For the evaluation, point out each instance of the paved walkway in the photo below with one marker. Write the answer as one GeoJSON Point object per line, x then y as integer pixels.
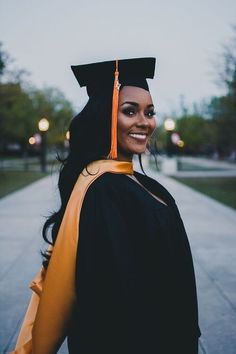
{"type": "Point", "coordinates": [211, 229]}
{"type": "Point", "coordinates": [205, 174]}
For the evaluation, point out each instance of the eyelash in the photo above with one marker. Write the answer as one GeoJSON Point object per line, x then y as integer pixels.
{"type": "Point", "coordinates": [127, 112]}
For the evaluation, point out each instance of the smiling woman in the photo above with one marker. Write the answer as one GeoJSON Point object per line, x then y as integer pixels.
{"type": "Point", "coordinates": [118, 276]}
{"type": "Point", "coordinates": [136, 121]}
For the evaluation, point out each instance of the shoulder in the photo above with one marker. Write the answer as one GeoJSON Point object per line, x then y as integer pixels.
{"type": "Point", "coordinates": [108, 179]}
{"type": "Point", "coordinates": [108, 182]}
{"type": "Point", "coordinates": [108, 186]}
{"type": "Point", "coordinates": [107, 198]}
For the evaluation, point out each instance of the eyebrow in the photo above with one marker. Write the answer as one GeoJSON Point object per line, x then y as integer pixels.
{"type": "Point", "coordinates": [135, 104]}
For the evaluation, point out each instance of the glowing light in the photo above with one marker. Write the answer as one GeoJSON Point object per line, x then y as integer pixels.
{"type": "Point", "coordinates": [38, 138]}
{"type": "Point", "coordinates": [43, 125]}
{"type": "Point", "coordinates": [169, 124]}
{"type": "Point", "coordinates": [180, 143]}
{"type": "Point", "coordinates": [32, 140]}
{"type": "Point", "coordinates": [175, 138]}
{"type": "Point", "coordinates": [68, 135]}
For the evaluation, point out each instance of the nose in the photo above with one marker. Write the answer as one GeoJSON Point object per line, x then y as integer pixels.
{"type": "Point", "coordinates": [142, 120]}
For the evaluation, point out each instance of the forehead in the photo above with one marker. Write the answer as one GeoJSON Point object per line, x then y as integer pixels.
{"type": "Point", "coordinates": [134, 94]}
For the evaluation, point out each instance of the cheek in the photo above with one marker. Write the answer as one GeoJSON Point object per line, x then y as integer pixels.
{"type": "Point", "coordinates": [123, 124]}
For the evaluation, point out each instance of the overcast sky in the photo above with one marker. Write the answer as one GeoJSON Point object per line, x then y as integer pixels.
{"type": "Point", "coordinates": [47, 36]}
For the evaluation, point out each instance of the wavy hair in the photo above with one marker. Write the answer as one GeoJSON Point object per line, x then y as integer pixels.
{"type": "Point", "coordinates": [90, 138]}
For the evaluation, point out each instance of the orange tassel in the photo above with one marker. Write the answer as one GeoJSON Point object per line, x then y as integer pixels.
{"type": "Point", "coordinates": [115, 101]}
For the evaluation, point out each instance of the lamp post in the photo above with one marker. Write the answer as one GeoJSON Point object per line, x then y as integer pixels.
{"type": "Point", "coordinates": [169, 125]}
{"type": "Point", "coordinates": [43, 125]}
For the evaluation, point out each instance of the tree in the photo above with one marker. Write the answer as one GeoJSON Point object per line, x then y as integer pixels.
{"type": "Point", "coordinates": [197, 133]}
{"type": "Point", "coordinates": [16, 112]}
{"type": "Point", "coordinates": [2, 61]}
{"type": "Point", "coordinates": [22, 106]}
{"type": "Point", "coordinates": [223, 112]}
{"type": "Point", "coordinates": [8, 73]}
{"type": "Point", "coordinates": [227, 64]}
{"type": "Point", "coordinates": [52, 104]}
{"type": "Point", "coordinates": [223, 109]}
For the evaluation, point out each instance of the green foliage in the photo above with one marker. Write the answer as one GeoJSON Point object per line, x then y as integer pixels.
{"type": "Point", "coordinates": [223, 109]}
{"type": "Point", "coordinates": [52, 104]}
{"type": "Point", "coordinates": [196, 132]}
{"type": "Point", "coordinates": [21, 108]}
{"type": "Point", "coordinates": [223, 113]}
{"type": "Point", "coordinates": [16, 114]}
{"type": "Point", "coordinates": [20, 111]}
{"type": "Point", "coordinates": [211, 127]}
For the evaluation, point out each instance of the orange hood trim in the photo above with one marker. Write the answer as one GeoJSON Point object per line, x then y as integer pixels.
{"type": "Point", "coordinates": [47, 318]}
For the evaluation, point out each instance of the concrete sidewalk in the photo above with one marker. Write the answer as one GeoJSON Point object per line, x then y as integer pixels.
{"type": "Point", "coordinates": [211, 230]}
{"type": "Point", "coordinates": [22, 215]}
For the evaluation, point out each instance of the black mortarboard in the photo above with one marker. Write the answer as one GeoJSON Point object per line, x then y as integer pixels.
{"type": "Point", "coordinates": [98, 76]}
{"type": "Point", "coordinates": [110, 75]}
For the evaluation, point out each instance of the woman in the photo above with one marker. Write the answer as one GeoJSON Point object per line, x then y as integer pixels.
{"type": "Point", "coordinates": [120, 278]}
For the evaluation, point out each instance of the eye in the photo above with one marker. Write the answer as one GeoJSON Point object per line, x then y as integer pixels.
{"type": "Point", "coordinates": [150, 113]}
{"type": "Point", "coordinates": [129, 111]}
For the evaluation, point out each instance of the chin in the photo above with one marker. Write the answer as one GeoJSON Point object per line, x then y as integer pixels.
{"type": "Point", "coordinates": [138, 151]}
{"type": "Point", "coordinates": [130, 149]}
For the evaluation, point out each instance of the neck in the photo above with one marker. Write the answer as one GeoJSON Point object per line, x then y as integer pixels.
{"type": "Point", "coordinates": [125, 157]}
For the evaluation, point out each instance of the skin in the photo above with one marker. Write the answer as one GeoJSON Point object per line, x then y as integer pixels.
{"type": "Point", "coordinates": [135, 116]}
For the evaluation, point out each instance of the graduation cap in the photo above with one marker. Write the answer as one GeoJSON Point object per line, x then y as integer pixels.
{"type": "Point", "coordinates": [110, 75]}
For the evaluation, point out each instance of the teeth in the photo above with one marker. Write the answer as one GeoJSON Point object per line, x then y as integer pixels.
{"type": "Point", "coordinates": [138, 136]}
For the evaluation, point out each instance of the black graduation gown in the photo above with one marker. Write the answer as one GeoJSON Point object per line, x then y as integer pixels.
{"type": "Point", "coordinates": [135, 282]}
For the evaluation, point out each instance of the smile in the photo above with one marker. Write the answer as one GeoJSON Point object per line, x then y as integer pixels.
{"type": "Point", "coordinates": [139, 136]}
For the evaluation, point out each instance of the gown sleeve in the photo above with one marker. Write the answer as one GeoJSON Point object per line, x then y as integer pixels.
{"type": "Point", "coordinates": [108, 276]}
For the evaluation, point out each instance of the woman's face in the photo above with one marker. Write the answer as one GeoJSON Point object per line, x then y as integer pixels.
{"type": "Point", "coordinates": [136, 121]}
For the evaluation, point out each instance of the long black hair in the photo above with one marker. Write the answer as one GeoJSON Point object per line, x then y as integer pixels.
{"type": "Point", "coordinates": [90, 135]}
{"type": "Point", "coordinates": [90, 138]}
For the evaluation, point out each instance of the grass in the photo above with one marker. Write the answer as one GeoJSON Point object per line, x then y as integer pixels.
{"type": "Point", "coordinates": [221, 189]}
{"type": "Point", "coordinates": [10, 181]}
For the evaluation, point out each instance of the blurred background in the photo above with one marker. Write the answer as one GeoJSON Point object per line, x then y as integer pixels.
{"type": "Point", "coordinates": [194, 93]}
{"type": "Point", "coordinates": [194, 90]}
